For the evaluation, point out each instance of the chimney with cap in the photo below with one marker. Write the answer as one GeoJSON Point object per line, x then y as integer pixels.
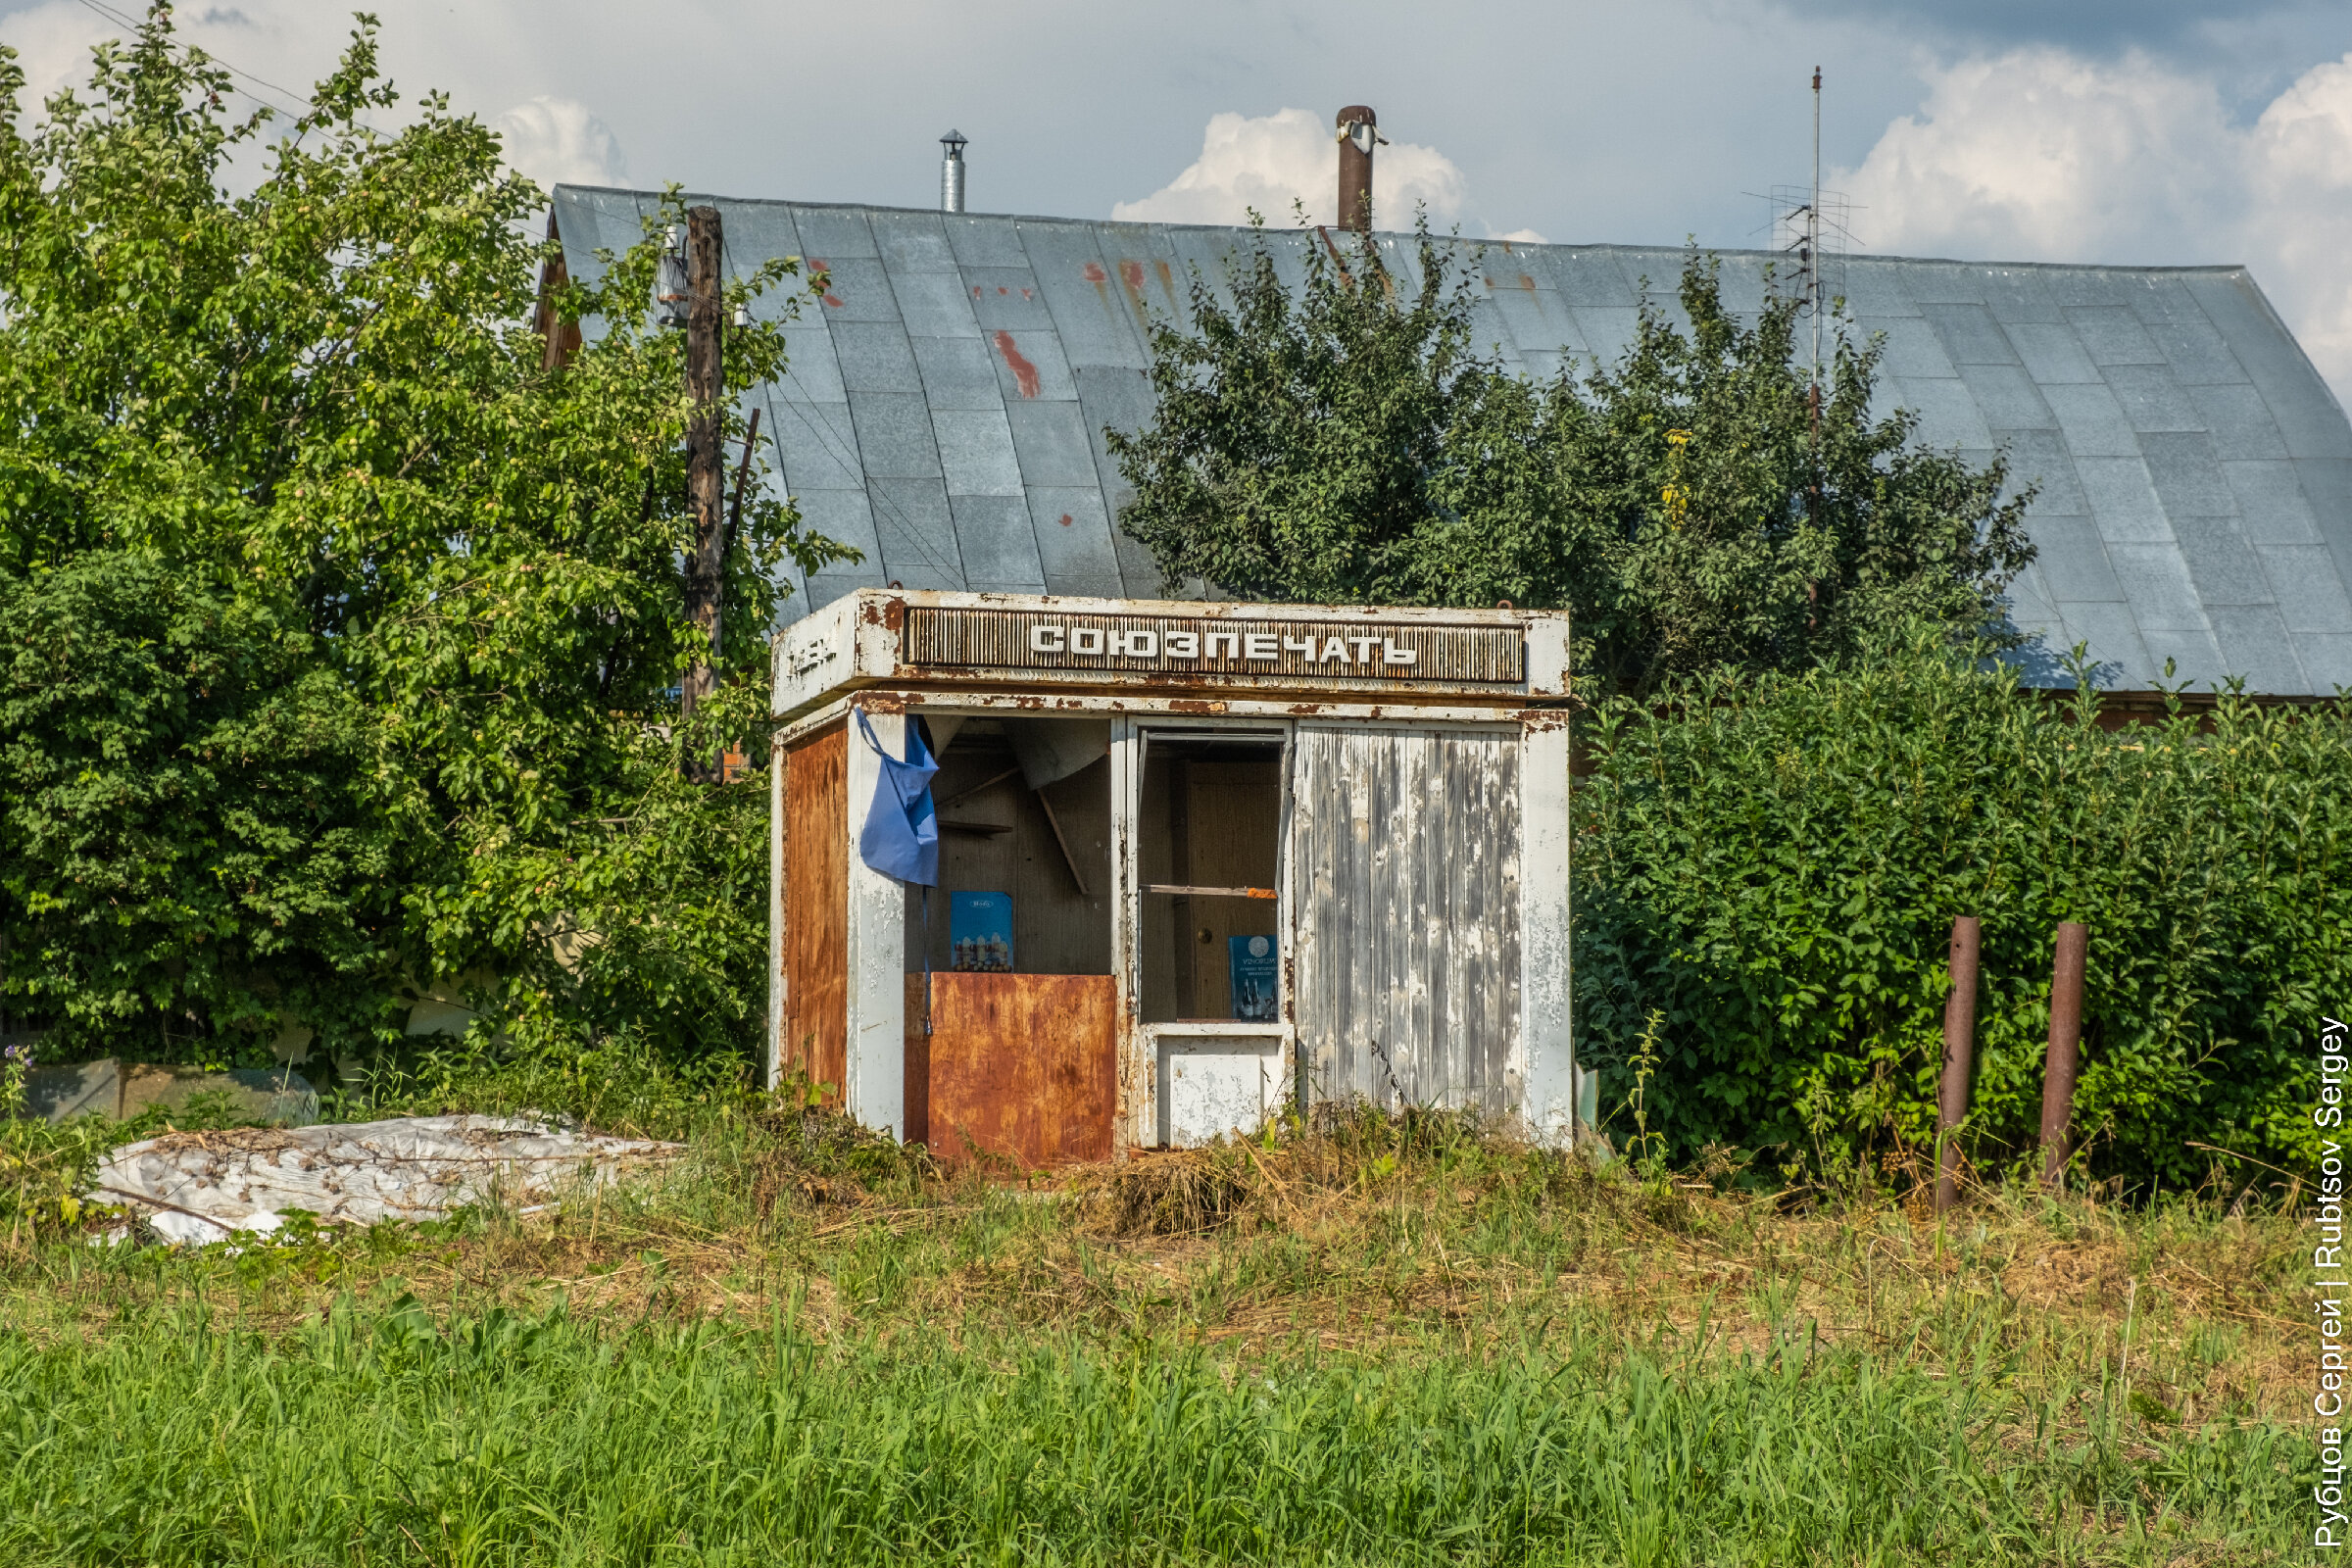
{"type": "Point", "coordinates": [950, 172]}
{"type": "Point", "coordinates": [1359, 133]}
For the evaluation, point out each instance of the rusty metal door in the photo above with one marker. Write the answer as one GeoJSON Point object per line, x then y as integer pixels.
{"type": "Point", "coordinates": [1020, 1067]}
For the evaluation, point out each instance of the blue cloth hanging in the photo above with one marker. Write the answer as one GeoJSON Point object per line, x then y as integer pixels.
{"type": "Point", "coordinates": [901, 837]}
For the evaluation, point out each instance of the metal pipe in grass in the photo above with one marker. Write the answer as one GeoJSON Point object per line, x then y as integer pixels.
{"type": "Point", "coordinates": [1959, 1045]}
{"type": "Point", "coordinates": [2065, 1058]}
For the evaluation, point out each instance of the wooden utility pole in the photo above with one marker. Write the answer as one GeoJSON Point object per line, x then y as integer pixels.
{"type": "Point", "coordinates": [706, 463]}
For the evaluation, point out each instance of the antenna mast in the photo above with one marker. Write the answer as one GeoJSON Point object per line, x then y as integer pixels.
{"type": "Point", "coordinates": [1813, 245]}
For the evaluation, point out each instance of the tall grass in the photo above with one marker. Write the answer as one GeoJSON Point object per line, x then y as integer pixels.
{"type": "Point", "coordinates": [1373, 1339]}
{"type": "Point", "coordinates": [378, 1436]}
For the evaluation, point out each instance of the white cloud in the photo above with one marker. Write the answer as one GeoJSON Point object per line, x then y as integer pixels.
{"type": "Point", "coordinates": [1267, 162]}
{"type": "Point", "coordinates": [556, 140]}
{"type": "Point", "coordinates": [2039, 155]}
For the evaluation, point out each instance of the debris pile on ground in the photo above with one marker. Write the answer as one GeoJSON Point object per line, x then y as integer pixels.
{"type": "Point", "coordinates": [196, 1188]}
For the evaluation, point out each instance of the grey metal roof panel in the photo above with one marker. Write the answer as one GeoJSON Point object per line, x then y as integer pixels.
{"type": "Point", "coordinates": [2112, 639]}
{"type": "Point", "coordinates": [875, 356]}
{"type": "Point", "coordinates": [913, 242]}
{"type": "Point", "coordinates": [2188, 482]}
{"type": "Point", "coordinates": [2092, 419]}
{"type": "Point", "coordinates": [2238, 419]}
{"type": "Point", "coordinates": [2271, 504]}
{"type": "Point", "coordinates": [975, 452]}
{"type": "Point", "coordinates": [894, 435]}
{"type": "Point", "coordinates": [957, 372]}
{"type": "Point", "coordinates": [1073, 540]}
{"type": "Point", "coordinates": [2123, 500]}
{"type": "Point", "coordinates": [2151, 400]}
{"type": "Point", "coordinates": [1050, 438]}
{"type": "Point", "coordinates": [1969, 334]}
{"type": "Point", "coordinates": [981, 241]}
{"type": "Point", "coordinates": [998, 542]}
{"type": "Point", "coordinates": [2326, 659]}
{"type": "Point", "coordinates": [2223, 563]}
{"type": "Point", "coordinates": [816, 445]}
{"type": "Point", "coordinates": [2053, 356]}
{"type": "Point", "coordinates": [945, 409]}
{"type": "Point", "coordinates": [1877, 286]}
{"type": "Point", "coordinates": [916, 532]}
{"type": "Point", "coordinates": [1031, 367]}
{"type": "Point", "coordinates": [1005, 298]}
{"type": "Point", "coordinates": [2008, 399]}
{"type": "Point", "coordinates": [2256, 646]}
{"type": "Point", "coordinates": [934, 304]}
{"type": "Point", "coordinates": [1911, 348]}
{"type": "Point", "coordinates": [2039, 458]}
{"type": "Point", "coordinates": [2303, 581]}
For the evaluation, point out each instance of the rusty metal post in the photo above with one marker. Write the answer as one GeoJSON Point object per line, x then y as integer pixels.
{"type": "Point", "coordinates": [2065, 1058]}
{"type": "Point", "coordinates": [1959, 1047]}
{"type": "Point", "coordinates": [705, 461]}
{"type": "Point", "coordinates": [1359, 133]}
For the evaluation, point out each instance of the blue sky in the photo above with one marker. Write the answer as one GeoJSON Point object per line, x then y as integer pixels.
{"type": "Point", "coordinates": [2126, 131]}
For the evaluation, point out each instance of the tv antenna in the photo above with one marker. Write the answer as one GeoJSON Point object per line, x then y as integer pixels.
{"type": "Point", "coordinates": [1810, 227]}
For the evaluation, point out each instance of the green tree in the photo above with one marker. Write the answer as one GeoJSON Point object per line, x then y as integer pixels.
{"type": "Point", "coordinates": [188, 839]}
{"type": "Point", "coordinates": [1345, 442]}
{"type": "Point", "coordinates": [319, 405]}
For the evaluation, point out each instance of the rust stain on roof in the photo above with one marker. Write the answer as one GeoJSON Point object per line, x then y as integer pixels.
{"type": "Point", "coordinates": [1024, 373]}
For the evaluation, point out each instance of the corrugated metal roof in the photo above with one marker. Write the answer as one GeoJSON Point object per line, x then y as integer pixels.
{"type": "Point", "coordinates": [946, 406]}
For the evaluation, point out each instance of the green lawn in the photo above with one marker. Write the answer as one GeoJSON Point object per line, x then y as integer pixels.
{"type": "Point", "coordinates": [1361, 1347]}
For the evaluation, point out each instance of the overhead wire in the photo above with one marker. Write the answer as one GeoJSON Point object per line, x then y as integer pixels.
{"type": "Point", "coordinates": [299, 104]}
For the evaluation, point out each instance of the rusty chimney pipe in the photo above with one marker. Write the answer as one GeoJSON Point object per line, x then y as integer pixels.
{"type": "Point", "coordinates": [2065, 1058]}
{"type": "Point", "coordinates": [1359, 133]}
{"type": "Point", "coordinates": [1959, 1045]}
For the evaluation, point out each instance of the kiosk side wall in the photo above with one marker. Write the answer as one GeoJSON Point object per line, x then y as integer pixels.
{"type": "Point", "coordinates": [815, 1013]}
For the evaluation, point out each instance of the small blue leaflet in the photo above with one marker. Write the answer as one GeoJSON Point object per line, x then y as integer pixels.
{"type": "Point", "coordinates": [980, 932]}
{"type": "Point", "coordinates": [901, 837]}
{"type": "Point", "coordinates": [1254, 963]}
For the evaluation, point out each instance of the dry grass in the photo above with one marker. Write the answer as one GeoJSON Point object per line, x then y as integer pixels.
{"type": "Point", "coordinates": [1368, 1243]}
{"type": "Point", "coordinates": [2119, 1381]}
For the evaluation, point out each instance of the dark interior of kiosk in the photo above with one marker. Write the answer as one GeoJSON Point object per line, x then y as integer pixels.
{"type": "Point", "coordinates": [1209, 843]}
{"type": "Point", "coordinates": [1025, 868]}
{"type": "Point", "coordinates": [1032, 865]}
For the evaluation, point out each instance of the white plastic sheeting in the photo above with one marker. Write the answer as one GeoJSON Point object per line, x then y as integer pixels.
{"type": "Point", "coordinates": [197, 1188]}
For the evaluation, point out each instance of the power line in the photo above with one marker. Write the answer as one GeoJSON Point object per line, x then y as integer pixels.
{"type": "Point", "coordinates": [299, 103]}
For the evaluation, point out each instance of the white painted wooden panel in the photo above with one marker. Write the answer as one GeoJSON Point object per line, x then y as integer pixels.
{"type": "Point", "coordinates": [1405, 865]}
{"type": "Point", "coordinates": [1216, 1086]}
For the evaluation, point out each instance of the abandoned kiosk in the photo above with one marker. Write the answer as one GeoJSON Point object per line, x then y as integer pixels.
{"type": "Point", "coordinates": [1194, 864]}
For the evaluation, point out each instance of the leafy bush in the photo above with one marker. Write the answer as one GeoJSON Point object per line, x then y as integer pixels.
{"type": "Point", "coordinates": [1774, 863]}
{"type": "Point", "coordinates": [185, 832]}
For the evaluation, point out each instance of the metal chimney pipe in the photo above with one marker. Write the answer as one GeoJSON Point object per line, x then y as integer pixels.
{"type": "Point", "coordinates": [1359, 133]}
{"type": "Point", "coordinates": [950, 172]}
